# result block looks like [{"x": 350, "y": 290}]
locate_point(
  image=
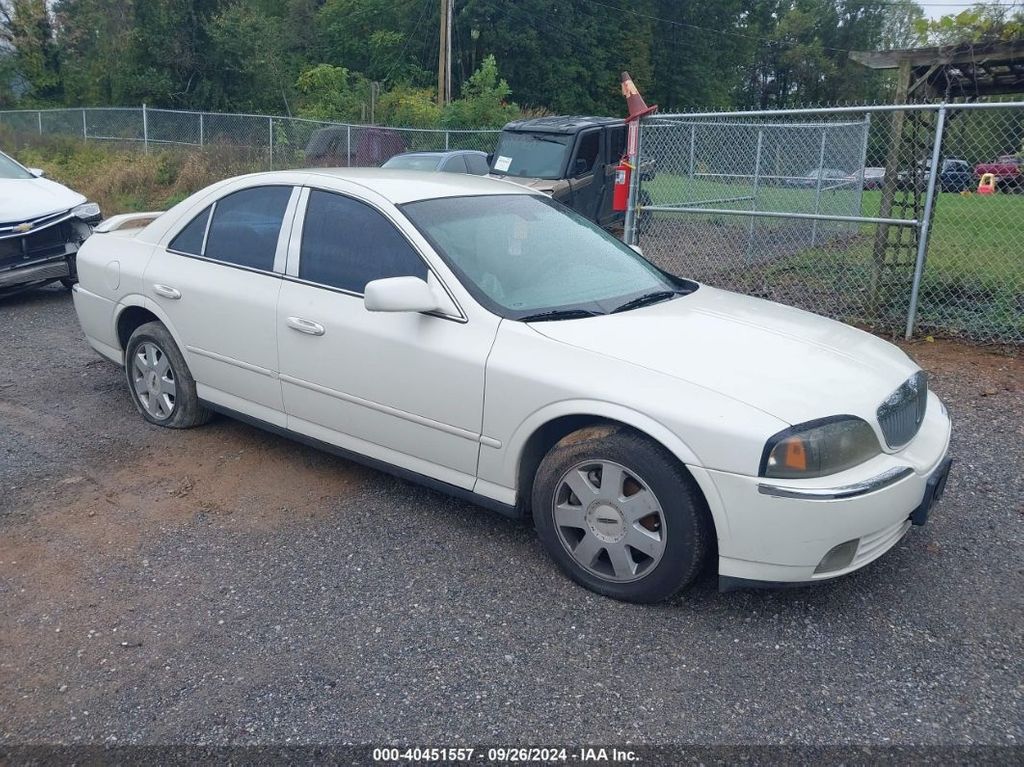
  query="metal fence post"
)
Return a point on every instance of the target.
[
  {"x": 926, "y": 221},
  {"x": 634, "y": 154},
  {"x": 39, "y": 117},
  {"x": 201, "y": 130},
  {"x": 85, "y": 130},
  {"x": 693, "y": 130},
  {"x": 145, "y": 128},
  {"x": 348, "y": 146},
  {"x": 270, "y": 123},
  {"x": 446, "y": 141},
  {"x": 817, "y": 191},
  {"x": 753, "y": 192}
]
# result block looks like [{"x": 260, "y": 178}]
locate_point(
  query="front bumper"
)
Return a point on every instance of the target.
[
  {"x": 780, "y": 532},
  {"x": 45, "y": 271},
  {"x": 42, "y": 253}
]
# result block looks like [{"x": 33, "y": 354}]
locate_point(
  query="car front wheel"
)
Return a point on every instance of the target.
[
  {"x": 160, "y": 383},
  {"x": 620, "y": 515}
]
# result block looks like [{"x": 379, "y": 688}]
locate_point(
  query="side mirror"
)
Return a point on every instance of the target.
[
  {"x": 37, "y": 172},
  {"x": 490, "y": 159},
  {"x": 400, "y": 294},
  {"x": 580, "y": 167}
]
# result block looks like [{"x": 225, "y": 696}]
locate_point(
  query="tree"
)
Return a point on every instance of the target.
[
  {"x": 26, "y": 27},
  {"x": 979, "y": 24},
  {"x": 327, "y": 92},
  {"x": 253, "y": 59},
  {"x": 484, "y": 102}
]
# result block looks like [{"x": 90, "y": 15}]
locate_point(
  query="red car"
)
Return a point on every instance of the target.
[{"x": 1007, "y": 170}]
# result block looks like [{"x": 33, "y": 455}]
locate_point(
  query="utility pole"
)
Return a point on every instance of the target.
[{"x": 444, "y": 56}]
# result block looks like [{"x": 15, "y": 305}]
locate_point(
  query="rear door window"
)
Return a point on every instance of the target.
[
  {"x": 190, "y": 239},
  {"x": 455, "y": 164},
  {"x": 246, "y": 226},
  {"x": 477, "y": 164}
]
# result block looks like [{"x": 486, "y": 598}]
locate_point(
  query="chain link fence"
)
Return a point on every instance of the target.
[
  {"x": 837, "y": 211},
  {"x": 871, "y": 215},
  {"x": 264, "y": 142}
]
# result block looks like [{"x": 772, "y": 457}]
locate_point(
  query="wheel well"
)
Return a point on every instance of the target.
[
  {"x": 554, "y": 431},
  {"x": 130, "y": 319}
]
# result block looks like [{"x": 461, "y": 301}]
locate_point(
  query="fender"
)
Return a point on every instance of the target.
[
  {"x": 657, "y": 431},
  {"x": 134, "y": 299}
]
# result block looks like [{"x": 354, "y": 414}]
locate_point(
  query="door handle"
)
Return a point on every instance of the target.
[
  {"x": 305, "y": 326},
  {"x": 167, "y": 291}
]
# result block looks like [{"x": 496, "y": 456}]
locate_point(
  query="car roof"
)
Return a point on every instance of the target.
[
  {"x": 400, "y": 186},
  {"x": 562, "y": 123},
  {"x": 439, "y": 153}
]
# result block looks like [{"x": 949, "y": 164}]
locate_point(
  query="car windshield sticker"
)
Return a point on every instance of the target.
[{"x": 502, "y": 163}]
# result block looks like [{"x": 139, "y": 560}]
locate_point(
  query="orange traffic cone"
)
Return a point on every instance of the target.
[
  {"x": 987, "y": 185},
  {"x": 634, "y": 101}
]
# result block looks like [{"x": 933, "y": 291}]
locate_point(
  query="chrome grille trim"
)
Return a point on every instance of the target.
[
  {"x": 7, "y": 230},
  {"x": 902, "y": 413}
]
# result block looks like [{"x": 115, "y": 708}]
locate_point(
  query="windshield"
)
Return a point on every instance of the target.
[
  {"x": 522, "y": 255},
  {"x": 412, "y": 162},
  {"x": 531, "y": 155},
  {"x": 10, "y": 169}
]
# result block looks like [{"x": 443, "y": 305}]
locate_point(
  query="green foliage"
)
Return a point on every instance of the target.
[
  {"x": 35, "y": 57},
  {"x": 407, "y": 107},
  {"x": 981, "y": 23},
  {"x": 331, "y": 93},
  {"x": 484, "y": 101},
  {"x": 318, "y": 57}
]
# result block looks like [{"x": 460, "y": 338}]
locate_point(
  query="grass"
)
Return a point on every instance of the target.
[
  {"x": 125, "y": 180},
  {"x": 973, "y": 283}
]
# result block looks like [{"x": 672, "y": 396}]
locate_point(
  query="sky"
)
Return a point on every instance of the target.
[{"x": 946, "y": 7}]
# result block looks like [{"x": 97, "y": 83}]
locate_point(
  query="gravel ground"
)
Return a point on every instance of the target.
[{"x": 224, "y": 585}]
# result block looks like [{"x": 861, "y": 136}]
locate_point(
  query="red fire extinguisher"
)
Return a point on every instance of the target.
[{"x": 620, "y": 197}]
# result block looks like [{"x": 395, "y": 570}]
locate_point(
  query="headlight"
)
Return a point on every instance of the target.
[
  {"x": 86, "y": 211},
  {"x": 819, "y": 448}
]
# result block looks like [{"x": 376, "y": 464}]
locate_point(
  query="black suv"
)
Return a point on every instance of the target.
[{"x": 571, "y": 158}]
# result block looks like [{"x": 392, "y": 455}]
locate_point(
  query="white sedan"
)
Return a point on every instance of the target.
[
  {"x": 42, "y": 225},
  {"x": 475, "y": 336}
]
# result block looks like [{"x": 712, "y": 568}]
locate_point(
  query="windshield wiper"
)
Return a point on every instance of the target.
[
  {"x": 646, "y": 300},
  {"x": 558, "y": 314}
]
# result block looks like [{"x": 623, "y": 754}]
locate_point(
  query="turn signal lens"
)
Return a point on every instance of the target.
[
  {"x": 794, "y": 454},
  {"x": 819, "y": 448}
]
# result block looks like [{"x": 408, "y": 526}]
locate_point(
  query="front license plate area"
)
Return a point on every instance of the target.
[{"x": 933, "y": 491}]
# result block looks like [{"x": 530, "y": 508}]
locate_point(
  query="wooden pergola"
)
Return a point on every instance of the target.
[
  {"x": 966, "y": 71},
  {"x": 963, "y": 72}
]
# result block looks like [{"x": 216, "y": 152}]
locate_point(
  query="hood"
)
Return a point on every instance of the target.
[
  {"x": 545, "y": 185},
  {"x": 789, "y": 363},
  {"x": 24, "y": 199}
]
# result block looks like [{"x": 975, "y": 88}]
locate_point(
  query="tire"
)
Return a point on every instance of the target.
[
  {"x": 653, "y": 503},
  {"x": 159, "y": 381}
]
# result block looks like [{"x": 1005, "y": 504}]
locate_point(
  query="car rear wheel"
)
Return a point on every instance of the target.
[
  {"x": 621, "y": 516},
  {"x": 160, "y": 383}
]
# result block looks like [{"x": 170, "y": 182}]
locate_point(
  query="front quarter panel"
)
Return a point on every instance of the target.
[{"x": 532, "y": 379}]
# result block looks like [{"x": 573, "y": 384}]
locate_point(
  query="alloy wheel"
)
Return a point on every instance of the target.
[
  {"x": 153, "y": 380},
  {"x": 609, "y": 520}
]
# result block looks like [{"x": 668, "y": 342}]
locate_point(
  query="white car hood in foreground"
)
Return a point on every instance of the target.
[
  {"x": 23, "y": 199},
  {"x": 789, "y": 363}
]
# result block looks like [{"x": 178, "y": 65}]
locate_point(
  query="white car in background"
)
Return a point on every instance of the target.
[
  {"x": 475, "y": 336},
  {"x": 42, "y": 226}
]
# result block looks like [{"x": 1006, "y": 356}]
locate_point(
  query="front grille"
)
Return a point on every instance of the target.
[
  {"x": 36, "y": 245},
  {"x": 901, "y": 414}
]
